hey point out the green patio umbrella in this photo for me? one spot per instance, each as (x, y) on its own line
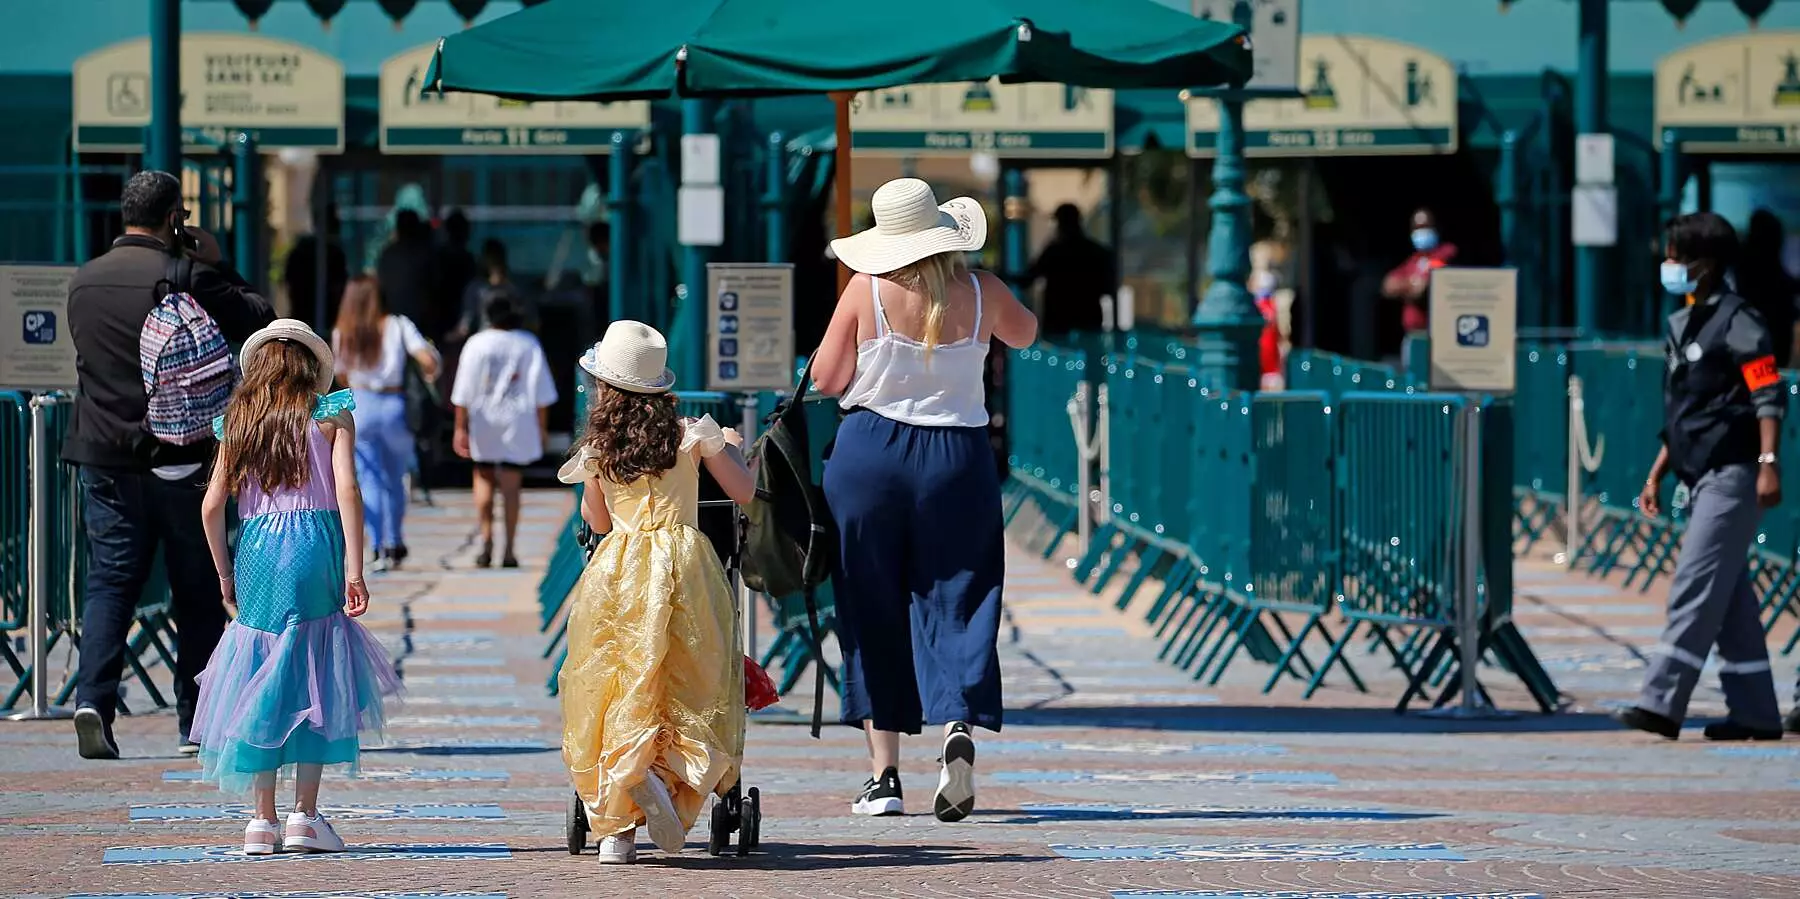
(611, 50)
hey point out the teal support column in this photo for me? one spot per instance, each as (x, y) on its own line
(1590, 118)
(1668, 196)
(1226, 321)
(1015, 235)
(619, 221)
(774, 201)
(247, 211)
(162, 139)
(687, 342)
(1506, 197)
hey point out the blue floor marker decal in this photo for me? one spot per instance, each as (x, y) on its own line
(496, 721)
(1295, 894)
(429, 614)
(1755, 752)
(418, 775)
(453, 812)
(333, 895)
(1221, 749)
(1319, 778)
(455, 662)
(1266, 852)
(457, 638)
(466, 747)
(461, 680)
(477, 701)
(1566, 589)
(411, 852)
(1058, 811)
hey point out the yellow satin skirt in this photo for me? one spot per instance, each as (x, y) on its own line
(654, 681)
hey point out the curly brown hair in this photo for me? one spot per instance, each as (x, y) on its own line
(635, 434)
(267, 419)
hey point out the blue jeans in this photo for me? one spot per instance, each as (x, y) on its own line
(384, 449)
(128, 515)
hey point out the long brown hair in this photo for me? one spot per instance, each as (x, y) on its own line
(931, 278)
(265, 422)
(359, 324)
(635, 434)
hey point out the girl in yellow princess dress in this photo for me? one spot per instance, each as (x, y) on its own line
(653, 688)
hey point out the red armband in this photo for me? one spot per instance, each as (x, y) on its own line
(1760, 373)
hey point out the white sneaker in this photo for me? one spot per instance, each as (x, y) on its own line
(956, 782)
(261, 837)
(619, 849)
(652, 798)
(311, 833)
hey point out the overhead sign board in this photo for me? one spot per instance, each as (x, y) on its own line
(1473, 329)
(1274, 38)
(459, 123)
(1007, 120)
(37, 351)
(749, 326)
(1737, 94)
(282, 93)
(1362, 96)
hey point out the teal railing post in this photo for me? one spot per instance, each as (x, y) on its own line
(162, 139)
(1226, 320)
(1590, 118)
(774, 200)
(1668, 195)
(618, 219)
(1015, 212)
(246, 209)
(1506, 195)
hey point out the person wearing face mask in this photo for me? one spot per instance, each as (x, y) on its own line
(1410, 281)
(1723, 403)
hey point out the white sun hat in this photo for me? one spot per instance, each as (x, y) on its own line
(294, 331)
(631, 356)
(910, 225)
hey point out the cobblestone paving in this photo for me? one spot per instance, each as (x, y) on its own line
(1116, 775)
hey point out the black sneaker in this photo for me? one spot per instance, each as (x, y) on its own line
(1729, 731)
(93, 736)
(881, 796)
(956, 780)
(485, 558)
(1648, 722)
(509, 561)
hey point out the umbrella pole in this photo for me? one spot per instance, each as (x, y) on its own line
(841, 176)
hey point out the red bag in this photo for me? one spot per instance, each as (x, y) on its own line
(759, 689)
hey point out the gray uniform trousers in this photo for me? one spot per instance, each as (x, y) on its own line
(1711, 602)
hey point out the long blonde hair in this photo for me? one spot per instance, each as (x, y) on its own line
(265, 422)
(930, 277)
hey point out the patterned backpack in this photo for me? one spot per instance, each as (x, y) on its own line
(186, 363)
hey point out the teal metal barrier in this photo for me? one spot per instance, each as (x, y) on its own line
(15, 516)
(1311, 370)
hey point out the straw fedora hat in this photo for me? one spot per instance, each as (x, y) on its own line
(295, 331)
(631, 356)
(910, 225)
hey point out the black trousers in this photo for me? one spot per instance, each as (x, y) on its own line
(129, 515)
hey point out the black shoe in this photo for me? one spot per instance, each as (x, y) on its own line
(188, 748)
(1792, 721)
(1648, 722)
(881, 797)
(93, 736)
(509, 561)
(397, 552)
(1729, 731)
(956, 780)
(485, 559)
(392, 557)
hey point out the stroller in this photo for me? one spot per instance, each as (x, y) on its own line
(739, 811)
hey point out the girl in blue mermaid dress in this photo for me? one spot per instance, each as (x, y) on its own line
(295, 681)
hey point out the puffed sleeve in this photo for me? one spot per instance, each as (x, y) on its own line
(703, 433)
(581, 467)
(219, 427)
(334, 407)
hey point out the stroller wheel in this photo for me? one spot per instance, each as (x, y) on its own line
(750, 833)
(577, 823)
(720, 835)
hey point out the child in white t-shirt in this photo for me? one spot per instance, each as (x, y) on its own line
(502, 395)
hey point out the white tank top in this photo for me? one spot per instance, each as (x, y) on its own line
(896, 380)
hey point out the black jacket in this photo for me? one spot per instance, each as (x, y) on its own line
(109, 299)
(1719, 380)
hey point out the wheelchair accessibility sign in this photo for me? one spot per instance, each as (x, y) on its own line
(1473, 329)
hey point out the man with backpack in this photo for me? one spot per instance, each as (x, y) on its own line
(150, 320)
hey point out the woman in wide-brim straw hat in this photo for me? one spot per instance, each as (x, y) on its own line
(913, 487)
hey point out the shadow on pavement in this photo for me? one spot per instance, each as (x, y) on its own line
(814, 856)
(1295, 719)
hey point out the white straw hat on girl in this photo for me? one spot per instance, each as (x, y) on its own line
(910, 225)
(294, 331)
(631, 356)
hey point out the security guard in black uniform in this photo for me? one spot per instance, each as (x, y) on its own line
(1722, 425)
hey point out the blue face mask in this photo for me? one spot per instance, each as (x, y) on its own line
(1424, 239)
(1675, 279)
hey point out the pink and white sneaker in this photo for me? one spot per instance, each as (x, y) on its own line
(310, 833)
(261, 837)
